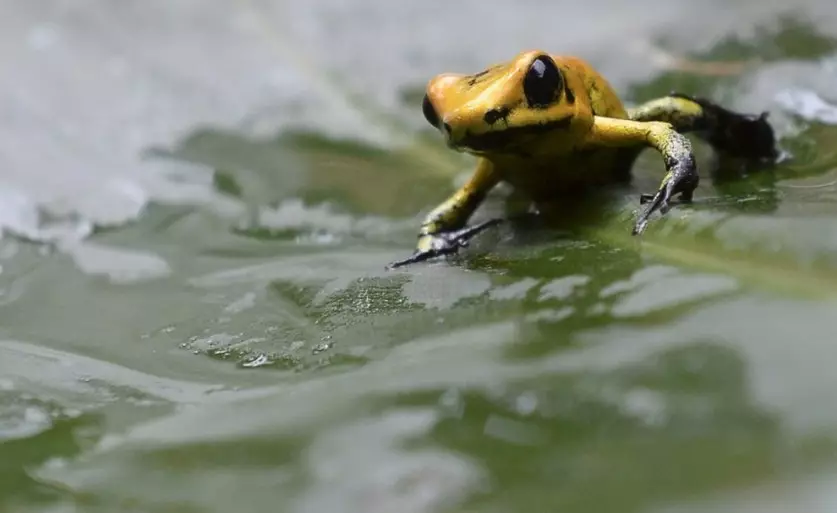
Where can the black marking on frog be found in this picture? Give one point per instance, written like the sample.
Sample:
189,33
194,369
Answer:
495,115
477,77
498,140
568,93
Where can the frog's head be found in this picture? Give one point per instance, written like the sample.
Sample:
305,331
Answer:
527,105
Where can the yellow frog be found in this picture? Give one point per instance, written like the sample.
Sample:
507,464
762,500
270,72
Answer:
544,122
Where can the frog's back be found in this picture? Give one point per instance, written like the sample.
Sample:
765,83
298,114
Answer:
602,97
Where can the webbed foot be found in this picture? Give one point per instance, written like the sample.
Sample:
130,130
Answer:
444,243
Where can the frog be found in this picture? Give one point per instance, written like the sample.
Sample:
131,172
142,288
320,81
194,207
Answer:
544,123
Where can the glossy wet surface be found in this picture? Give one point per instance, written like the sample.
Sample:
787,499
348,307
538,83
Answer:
198,201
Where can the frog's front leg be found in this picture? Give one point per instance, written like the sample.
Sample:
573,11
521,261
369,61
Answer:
443,230
681,172
748,136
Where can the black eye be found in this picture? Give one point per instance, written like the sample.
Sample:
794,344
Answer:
429,112
542,83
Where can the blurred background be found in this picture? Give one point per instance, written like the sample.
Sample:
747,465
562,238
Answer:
197,202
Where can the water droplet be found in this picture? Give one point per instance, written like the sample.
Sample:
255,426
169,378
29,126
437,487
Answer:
319,348
259,361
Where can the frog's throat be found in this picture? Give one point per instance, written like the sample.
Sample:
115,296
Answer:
498,140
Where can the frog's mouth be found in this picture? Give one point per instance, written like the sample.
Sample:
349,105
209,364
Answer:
506,138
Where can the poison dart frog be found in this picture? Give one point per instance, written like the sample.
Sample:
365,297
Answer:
541,122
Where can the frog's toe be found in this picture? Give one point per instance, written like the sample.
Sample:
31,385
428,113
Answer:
684,184
639,227
463,237
444,243
416,257
654,202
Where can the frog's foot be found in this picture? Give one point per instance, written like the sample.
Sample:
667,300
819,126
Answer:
683,179
747,136
444,243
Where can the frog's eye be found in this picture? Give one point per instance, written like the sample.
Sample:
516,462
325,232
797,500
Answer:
543,82
429,112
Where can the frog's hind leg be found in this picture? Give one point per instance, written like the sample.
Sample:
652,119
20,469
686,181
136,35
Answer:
730,133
